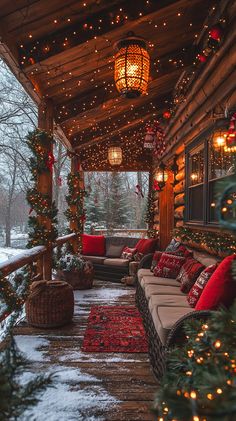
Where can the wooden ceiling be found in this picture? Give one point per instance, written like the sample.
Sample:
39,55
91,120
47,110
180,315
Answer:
63,50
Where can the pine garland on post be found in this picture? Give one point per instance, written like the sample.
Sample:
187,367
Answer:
75,213
40,162
150,214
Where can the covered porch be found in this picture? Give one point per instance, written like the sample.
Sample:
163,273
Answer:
168,120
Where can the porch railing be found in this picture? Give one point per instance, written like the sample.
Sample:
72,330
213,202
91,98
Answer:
120,232
31,257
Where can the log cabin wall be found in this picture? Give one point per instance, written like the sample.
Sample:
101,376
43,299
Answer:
212,92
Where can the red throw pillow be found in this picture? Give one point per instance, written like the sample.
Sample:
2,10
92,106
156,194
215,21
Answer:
128,253
156,257
138,256
146,246
93,245
183,251
220,289
189,273
197,289
168,266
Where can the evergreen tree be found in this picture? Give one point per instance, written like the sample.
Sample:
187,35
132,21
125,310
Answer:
200,381
94,208
118,208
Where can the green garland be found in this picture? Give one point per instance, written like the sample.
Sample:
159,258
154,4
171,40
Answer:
14,291
75,198
216,241
37,142
150,214
40,203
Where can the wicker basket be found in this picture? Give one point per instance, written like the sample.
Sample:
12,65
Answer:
78,280
50,304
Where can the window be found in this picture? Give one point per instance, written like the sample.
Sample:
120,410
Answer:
207,162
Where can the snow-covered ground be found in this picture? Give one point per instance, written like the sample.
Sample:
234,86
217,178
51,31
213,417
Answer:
8,252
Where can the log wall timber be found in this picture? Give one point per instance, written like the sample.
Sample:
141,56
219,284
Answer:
179,194
45,122
166,212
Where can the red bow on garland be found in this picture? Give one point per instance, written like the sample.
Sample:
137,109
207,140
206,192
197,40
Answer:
138,191
51,161
156,186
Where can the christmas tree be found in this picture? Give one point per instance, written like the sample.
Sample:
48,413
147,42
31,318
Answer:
200,380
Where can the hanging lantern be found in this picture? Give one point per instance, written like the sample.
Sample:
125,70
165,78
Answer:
149,137
115,155
161,176
219,139
132,65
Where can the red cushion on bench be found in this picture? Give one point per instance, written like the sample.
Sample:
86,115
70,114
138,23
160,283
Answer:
93,245
146,246
220,289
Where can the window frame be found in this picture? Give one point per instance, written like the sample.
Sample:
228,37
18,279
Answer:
204,140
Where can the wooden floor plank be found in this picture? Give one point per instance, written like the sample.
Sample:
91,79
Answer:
123,383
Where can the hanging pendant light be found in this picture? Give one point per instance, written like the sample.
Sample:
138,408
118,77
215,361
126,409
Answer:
161,176
115,155
132,65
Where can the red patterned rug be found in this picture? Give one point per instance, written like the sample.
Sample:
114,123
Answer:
114,329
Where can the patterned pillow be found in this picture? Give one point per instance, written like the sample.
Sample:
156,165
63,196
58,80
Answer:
138,256
168,266
189,273
174,244
196,290
181,251
128,253
156,257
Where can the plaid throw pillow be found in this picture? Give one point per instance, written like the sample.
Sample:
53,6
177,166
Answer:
189,273
128,253
168,266
138,256
196,290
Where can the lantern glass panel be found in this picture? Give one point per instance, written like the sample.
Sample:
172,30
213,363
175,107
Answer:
132,65
115,155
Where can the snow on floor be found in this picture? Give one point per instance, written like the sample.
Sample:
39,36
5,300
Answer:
7,252
68,399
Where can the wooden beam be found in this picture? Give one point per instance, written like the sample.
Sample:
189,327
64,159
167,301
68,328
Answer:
154,108
92,98
45,122
166,212
87,28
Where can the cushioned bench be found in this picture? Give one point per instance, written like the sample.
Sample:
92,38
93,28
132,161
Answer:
114,268
164,309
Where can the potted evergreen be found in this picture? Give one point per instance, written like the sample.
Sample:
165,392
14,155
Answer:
75,270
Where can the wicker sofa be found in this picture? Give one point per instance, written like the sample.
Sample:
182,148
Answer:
164,309
110,268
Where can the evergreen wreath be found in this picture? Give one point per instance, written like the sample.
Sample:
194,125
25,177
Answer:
75,198
41,162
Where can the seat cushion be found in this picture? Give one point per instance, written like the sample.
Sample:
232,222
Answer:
168,300
116,262
95,259
164,318
161,289
155,280
144,272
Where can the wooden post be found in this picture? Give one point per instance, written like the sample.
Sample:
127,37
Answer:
74,226
45,122
166,208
